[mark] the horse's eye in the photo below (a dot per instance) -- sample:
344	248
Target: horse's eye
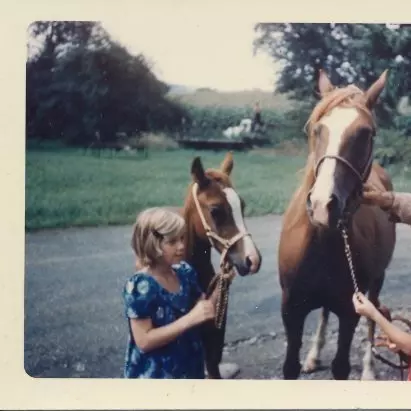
217	212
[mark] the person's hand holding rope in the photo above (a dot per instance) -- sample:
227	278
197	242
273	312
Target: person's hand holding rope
383	341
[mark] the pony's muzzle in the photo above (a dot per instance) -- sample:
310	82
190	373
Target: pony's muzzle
250	264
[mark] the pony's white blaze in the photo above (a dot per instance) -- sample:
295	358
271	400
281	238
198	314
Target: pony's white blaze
235	203
336	122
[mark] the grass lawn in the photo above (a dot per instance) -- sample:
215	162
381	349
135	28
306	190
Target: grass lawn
68	188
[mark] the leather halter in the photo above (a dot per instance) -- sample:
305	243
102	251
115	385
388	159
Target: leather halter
361	177
213	236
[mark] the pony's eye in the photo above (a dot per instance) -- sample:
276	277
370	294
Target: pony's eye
217	213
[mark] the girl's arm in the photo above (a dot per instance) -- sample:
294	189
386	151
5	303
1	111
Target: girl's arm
364	306
400	338
148	338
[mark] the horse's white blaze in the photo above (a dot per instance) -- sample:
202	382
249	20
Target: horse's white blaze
337	121
234	201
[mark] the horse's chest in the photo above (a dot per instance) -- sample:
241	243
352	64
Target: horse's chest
324	269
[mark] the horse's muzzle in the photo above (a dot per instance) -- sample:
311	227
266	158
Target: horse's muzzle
325	215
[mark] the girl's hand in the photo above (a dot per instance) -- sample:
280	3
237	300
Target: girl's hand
203	311
385	342
363	305
374	196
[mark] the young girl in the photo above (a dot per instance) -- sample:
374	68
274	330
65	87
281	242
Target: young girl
163	302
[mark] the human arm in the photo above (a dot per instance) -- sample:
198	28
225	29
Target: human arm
141	302
148	338
400	339
397	204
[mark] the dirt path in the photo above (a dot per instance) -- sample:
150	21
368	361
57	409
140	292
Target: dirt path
74	324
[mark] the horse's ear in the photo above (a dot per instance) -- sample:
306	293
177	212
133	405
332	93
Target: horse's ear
227	164
372	94
324	83
198	174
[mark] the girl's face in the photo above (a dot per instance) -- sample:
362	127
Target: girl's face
173	249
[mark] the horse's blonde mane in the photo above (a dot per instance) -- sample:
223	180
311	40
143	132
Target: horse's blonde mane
350	97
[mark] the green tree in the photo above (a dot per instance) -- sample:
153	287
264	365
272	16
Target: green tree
81	82
350	53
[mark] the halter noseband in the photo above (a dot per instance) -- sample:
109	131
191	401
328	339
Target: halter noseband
213	236
361	177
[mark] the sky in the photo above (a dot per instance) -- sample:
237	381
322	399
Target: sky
215	53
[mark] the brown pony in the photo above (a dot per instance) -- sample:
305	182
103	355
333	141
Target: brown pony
222	210
313	268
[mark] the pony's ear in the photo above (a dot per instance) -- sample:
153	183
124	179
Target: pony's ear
372	94
198	174
324	83
227	164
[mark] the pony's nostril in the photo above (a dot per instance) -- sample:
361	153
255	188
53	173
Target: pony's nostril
309	204
248	262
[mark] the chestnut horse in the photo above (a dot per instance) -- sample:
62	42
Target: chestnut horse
313	268
222	227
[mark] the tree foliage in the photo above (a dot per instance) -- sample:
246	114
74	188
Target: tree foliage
80	82
350	53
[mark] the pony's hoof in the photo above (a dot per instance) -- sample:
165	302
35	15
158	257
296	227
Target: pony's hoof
310	365
228	370
368	375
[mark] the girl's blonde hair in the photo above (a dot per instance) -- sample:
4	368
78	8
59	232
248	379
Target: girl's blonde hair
151	227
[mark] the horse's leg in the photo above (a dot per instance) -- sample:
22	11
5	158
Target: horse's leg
213	341
368	370
313	358
293	320
340	366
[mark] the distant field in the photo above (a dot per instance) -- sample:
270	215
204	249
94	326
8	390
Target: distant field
268	100
67	188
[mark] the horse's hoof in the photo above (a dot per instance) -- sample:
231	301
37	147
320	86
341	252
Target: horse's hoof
228	370
368	375
310	365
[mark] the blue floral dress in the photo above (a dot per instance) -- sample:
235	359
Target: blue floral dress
144	297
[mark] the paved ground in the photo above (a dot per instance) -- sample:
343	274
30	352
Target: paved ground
74	324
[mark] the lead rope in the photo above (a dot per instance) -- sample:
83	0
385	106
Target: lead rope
348	254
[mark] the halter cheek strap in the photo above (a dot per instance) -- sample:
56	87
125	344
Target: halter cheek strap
360	177
223	279
212	235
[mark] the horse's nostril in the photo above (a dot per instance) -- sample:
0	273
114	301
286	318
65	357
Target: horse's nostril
333	203
309	203
248	262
